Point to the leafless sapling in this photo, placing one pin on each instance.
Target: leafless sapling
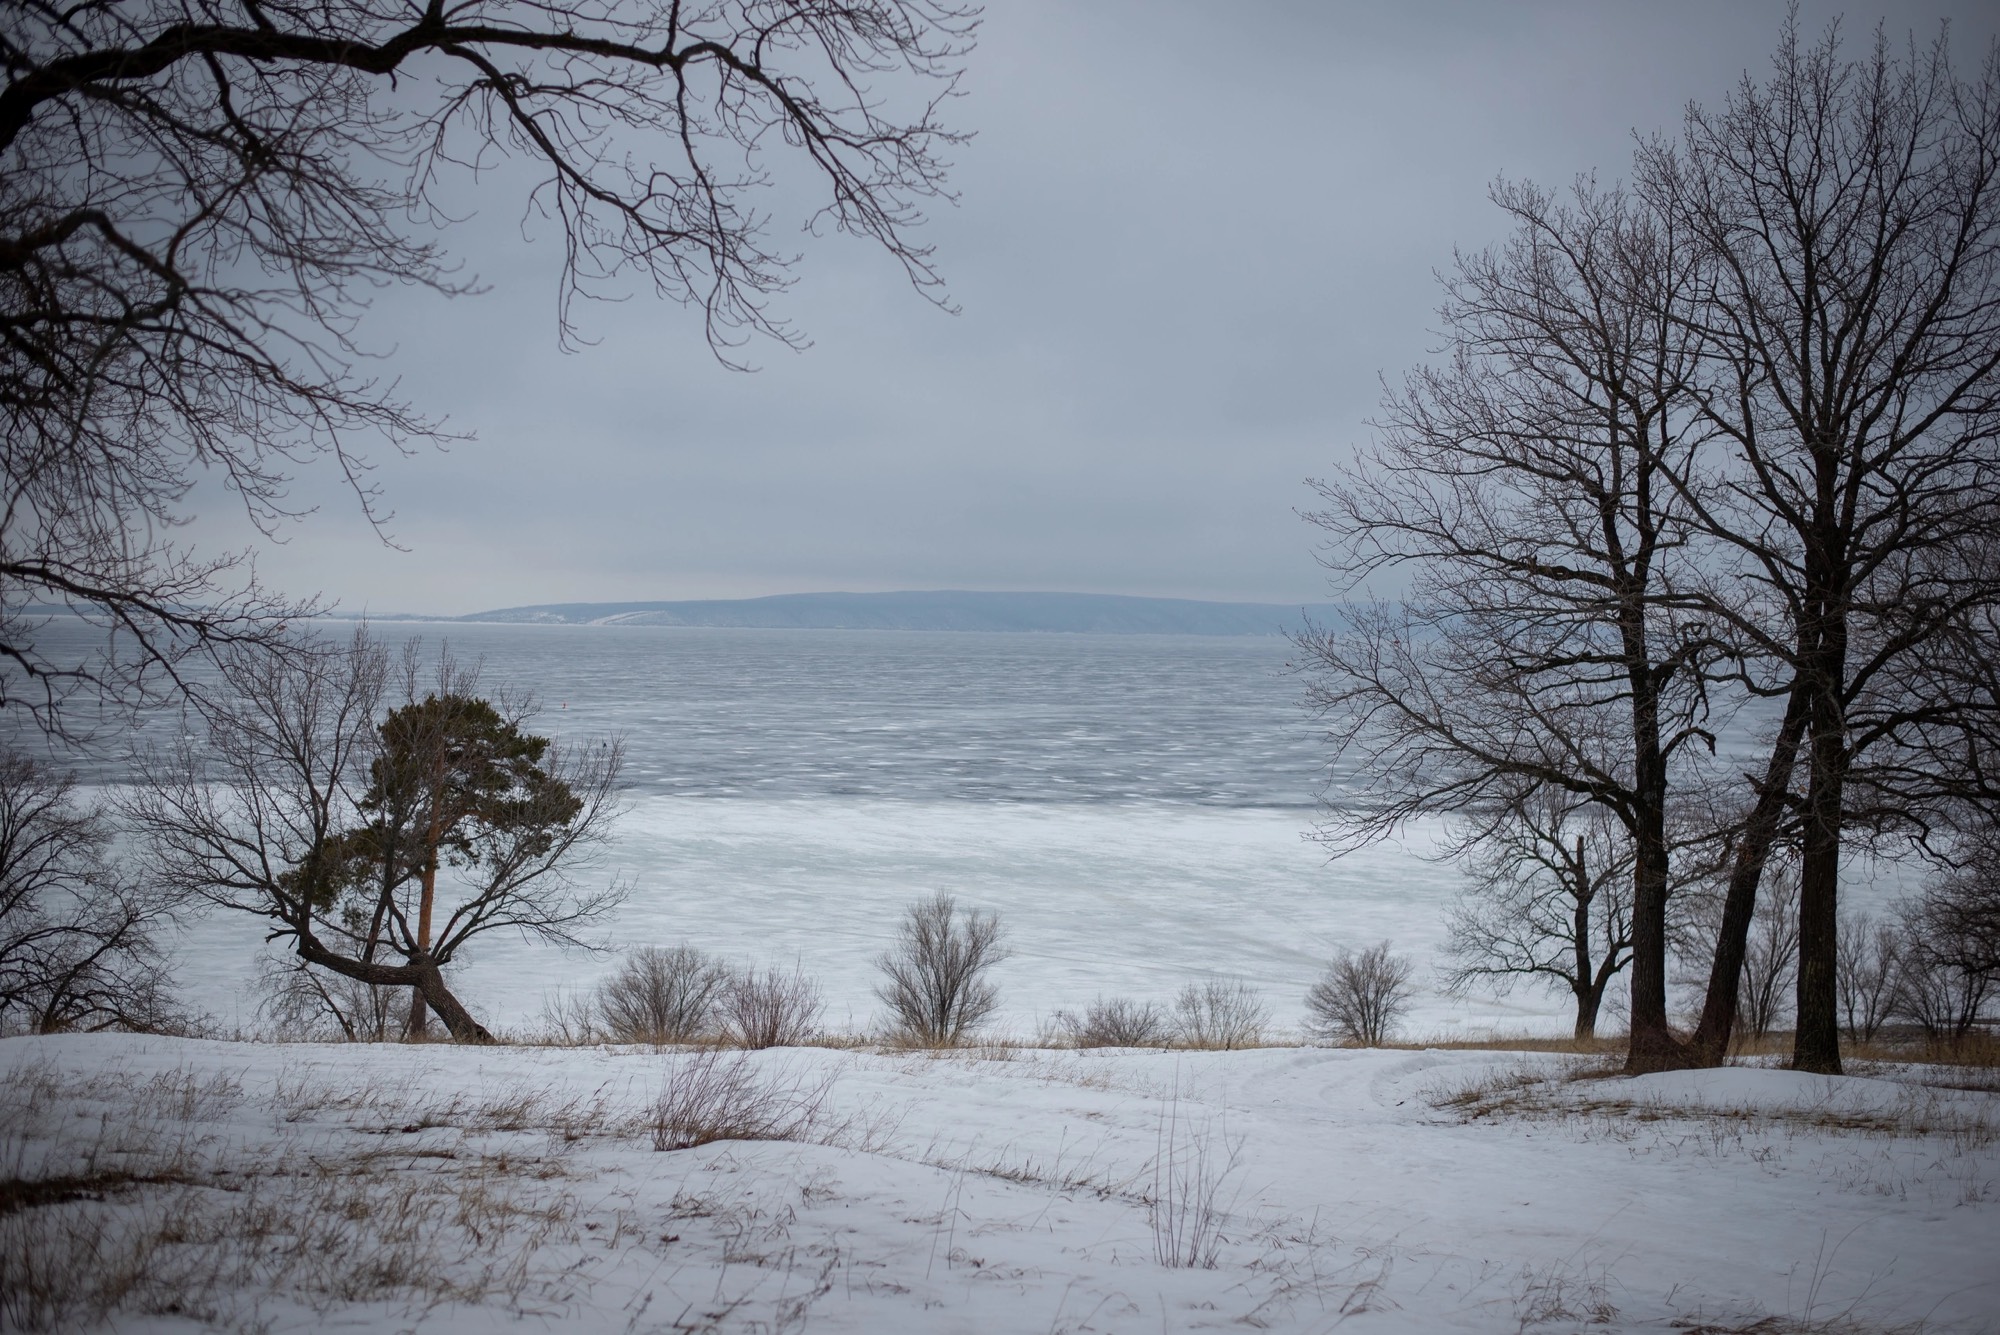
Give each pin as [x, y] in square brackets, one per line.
[1771, 956]
[1871, 954]
[936, 978]
[1361, 997]
[1220, 1014]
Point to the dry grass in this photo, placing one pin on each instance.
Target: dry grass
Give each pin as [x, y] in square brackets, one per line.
[714, 1096]
[122, 1194]
[1978, 1050]
[1496, 1041]
[322, 1238]
[1194, 1163]
[1954, 1131]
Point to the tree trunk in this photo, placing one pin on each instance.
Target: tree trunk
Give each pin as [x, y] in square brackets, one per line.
[419, 1010]
[1589, 991]
[1710, 1044]
[1816, 1032]
[1589, 997]
[464, 1029]
[1653, 1046]
[425, 978]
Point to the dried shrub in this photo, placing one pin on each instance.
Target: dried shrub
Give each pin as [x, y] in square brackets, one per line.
[771, 1009]
[713, 1096]
[1220, 1015]
[935, 982]
[1361, 997]
[1116, 1022]
[663, 996]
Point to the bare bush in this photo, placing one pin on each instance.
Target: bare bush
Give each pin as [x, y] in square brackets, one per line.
[935, 977]
[1220, 1015]
[713, 1096]
[771, 1009]
[663, 996]
[1361, 997]
[1116, 1022]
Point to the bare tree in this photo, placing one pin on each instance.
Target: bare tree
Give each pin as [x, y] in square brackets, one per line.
[1549, 900]
[200, 197]
[1961, 908]
[1361, 997]
[1949, 953]
[1553, 630]
[1870, 960]
[1849, 214]
[1221, 1014]
[79, 937]
[1938, 988]
[935, 979]
[267, 813]
[1771, 957]
[663, 996]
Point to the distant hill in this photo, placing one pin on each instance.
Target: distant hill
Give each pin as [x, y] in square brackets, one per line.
[1095, 613]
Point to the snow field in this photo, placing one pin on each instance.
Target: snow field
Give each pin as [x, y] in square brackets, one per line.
[296, 1187]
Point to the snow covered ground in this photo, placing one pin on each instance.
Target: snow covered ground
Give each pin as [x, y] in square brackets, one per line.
[288, 1187]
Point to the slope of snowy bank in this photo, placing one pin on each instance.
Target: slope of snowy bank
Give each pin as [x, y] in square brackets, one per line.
[200, 1184]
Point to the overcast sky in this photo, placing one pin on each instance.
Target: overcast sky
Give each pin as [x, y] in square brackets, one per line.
[1192, 239]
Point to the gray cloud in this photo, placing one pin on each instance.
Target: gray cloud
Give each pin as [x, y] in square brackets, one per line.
[1192, 239]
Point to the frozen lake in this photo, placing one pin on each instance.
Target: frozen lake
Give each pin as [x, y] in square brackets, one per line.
[1134, 807]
